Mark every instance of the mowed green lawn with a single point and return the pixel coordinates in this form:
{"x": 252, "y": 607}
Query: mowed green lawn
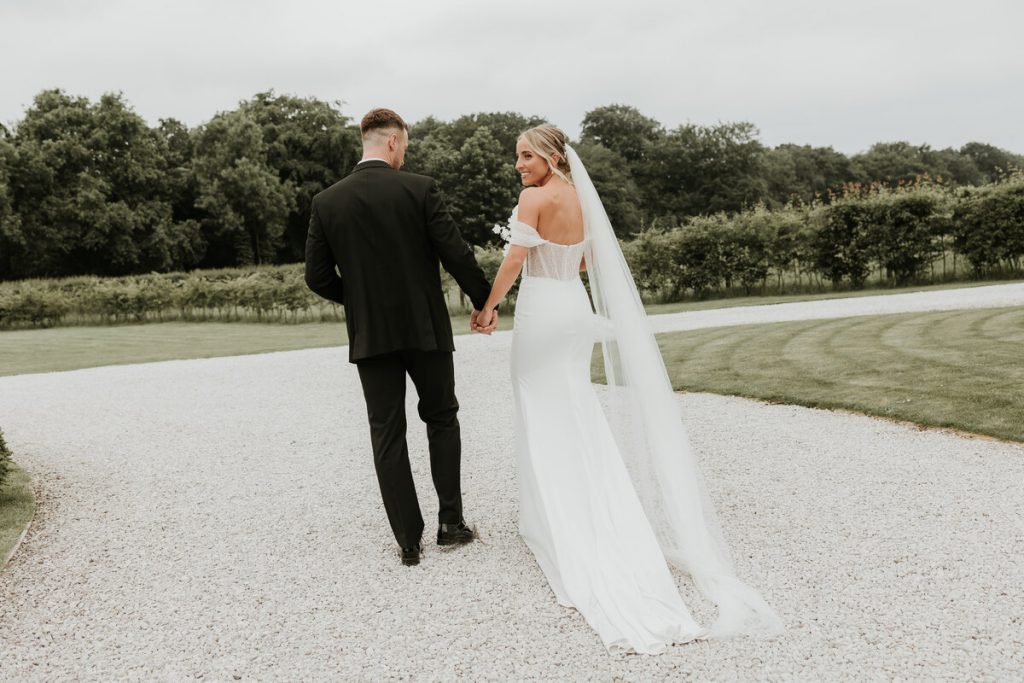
{"x": 959, "y": 369}
{"x": 70, "y": 348}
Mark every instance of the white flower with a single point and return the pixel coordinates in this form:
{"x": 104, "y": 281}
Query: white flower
{"x": 505, "y": 231}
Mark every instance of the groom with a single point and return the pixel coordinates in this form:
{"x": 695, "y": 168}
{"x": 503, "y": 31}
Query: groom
{"x": 385, "y": 231}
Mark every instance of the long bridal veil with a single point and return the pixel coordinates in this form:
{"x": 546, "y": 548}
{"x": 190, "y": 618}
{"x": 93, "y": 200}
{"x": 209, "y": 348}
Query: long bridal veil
{"x": 644, "y": 416}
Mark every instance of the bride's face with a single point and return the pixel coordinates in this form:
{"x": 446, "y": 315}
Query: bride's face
{"x": 532, "y": 167}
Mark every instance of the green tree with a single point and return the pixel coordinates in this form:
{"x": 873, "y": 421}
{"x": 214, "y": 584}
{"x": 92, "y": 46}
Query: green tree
{"x": 952, "y": 166}
{"x": 10, "y": 222}
{"x": 478, "y": 179}
{"x": 504, "y": 127}
{"x": 176, "y": 140}
{"x": 614, "y": 184}
{"x": 89, "y": 184}
{"x": 698, "y": 170}
{"x": 623, "y": 130}
{"x": 992, "y": 162}
{"x": 890, "y": 162}
{"x": 309, "y": 145}
{"x": 417, "y": 157}
{"x": 902, "y": 162}
{"x": 245, "y": 202}
{"x": 801, "y": 172}
{"x": 482, "y": 193}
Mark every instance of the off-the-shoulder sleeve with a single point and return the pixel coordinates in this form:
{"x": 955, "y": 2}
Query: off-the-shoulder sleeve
{"x": 525, "y": 235}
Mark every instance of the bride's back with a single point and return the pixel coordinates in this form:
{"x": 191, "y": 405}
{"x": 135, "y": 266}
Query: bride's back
{"x": 560, "y": 219}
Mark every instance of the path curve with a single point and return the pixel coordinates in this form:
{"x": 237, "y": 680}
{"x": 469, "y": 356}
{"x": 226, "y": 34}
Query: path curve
{"x": 220, "y": 520}
{"x": 986, "y": 296}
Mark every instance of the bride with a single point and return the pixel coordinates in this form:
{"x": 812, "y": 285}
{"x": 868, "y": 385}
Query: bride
{"x": 610, "y": 494}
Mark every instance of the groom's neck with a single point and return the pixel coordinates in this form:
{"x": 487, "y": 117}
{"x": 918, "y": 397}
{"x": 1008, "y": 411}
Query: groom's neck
{"x": 372, "y": 153}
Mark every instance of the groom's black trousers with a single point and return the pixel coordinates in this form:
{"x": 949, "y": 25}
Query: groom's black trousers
{"x": 383, "y": 380}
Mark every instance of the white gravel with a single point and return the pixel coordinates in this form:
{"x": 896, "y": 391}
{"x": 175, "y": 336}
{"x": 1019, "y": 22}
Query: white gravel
{"x": 220, "y": 520}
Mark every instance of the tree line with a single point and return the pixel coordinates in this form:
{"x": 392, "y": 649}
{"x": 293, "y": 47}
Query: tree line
{"x": 89, "y": 188}
{"x": 916, "y": 232}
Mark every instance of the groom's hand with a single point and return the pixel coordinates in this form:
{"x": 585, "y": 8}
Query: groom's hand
{"x": 487, "y": 321}
{"x": 483, "y": 322}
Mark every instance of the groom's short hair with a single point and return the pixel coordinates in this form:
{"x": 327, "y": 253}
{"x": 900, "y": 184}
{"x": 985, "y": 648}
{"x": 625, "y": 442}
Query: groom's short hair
{"x": 381, "y": 119}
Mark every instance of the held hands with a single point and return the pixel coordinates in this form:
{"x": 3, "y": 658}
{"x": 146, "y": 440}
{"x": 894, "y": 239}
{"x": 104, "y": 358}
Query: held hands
{"x": 484, "y": 322}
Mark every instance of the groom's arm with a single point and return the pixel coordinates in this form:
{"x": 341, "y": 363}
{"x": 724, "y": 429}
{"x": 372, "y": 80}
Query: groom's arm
{"x": 321, "y": 276}
{"x": 455, "y": 254}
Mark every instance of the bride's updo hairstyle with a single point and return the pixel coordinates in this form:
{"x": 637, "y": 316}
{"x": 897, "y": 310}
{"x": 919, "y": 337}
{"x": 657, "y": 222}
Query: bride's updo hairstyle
{"x": 548, "y": 141}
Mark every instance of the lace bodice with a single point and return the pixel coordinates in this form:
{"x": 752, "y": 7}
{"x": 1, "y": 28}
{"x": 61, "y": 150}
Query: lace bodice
{"x": 544, "y": 258}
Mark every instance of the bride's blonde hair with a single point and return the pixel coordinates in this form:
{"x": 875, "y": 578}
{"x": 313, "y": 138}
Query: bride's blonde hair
{"x": 549, "y": 141}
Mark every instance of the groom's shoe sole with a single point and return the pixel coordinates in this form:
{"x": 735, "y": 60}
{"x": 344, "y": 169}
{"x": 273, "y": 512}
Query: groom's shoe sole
{"x": 443, "y": 543}
{"x": 459, "y": 537}
{"x": 411, "y": 556}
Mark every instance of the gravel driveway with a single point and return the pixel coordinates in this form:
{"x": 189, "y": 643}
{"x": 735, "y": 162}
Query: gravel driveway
{"x": 220, "y": 520}
{"x": 985, "y": 296}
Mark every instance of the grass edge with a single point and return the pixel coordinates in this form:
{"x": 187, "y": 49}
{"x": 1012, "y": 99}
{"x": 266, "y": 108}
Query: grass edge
{"x": 16, "y": 489}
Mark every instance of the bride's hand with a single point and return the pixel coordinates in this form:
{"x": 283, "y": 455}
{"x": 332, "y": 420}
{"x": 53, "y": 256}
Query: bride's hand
{"x": 487, "y": 321}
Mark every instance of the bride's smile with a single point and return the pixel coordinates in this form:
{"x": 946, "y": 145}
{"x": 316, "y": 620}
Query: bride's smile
{"x": 533, "y": 169}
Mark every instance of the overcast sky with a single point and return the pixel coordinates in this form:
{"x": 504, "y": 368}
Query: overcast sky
{"x": 845, "y": 74}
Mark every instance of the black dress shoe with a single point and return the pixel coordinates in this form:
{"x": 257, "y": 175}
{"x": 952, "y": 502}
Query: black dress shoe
{"x": 454, "y": 534}
{"x": 411, "y": 556}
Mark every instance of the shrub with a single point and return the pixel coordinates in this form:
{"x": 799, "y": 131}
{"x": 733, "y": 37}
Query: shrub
{"x": 32, "y": 305}
{"x": 900, "y": 231}
{"x": 745, "y": 245}
{"x": 652, "y": 257}
{"x": 699, "y": 255}
{"x": 988, "y": 225}
{"x": 841, "y": 243}
{"x": 5, "y": 460}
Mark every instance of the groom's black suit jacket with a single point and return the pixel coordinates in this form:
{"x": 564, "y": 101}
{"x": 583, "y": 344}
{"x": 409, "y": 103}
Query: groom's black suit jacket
{"x": 386, "y": 231}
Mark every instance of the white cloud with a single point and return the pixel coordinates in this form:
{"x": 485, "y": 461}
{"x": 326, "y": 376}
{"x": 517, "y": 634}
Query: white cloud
{"x": 823, "y": 73}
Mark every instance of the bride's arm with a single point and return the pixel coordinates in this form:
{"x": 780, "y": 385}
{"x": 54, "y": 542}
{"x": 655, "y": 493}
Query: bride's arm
{"x": 511, "y": 265}
{"x": 528, "y": 213}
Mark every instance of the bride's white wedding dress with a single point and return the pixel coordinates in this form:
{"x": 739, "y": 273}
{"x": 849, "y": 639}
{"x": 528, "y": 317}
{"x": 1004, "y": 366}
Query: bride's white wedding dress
{"x": 578, "y": 511}
{"x": 604, "y": 504}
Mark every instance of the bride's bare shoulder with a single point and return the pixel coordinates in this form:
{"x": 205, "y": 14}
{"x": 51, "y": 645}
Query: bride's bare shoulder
{"x": 531, "y": 199}
{"x": 531, "y": 196}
